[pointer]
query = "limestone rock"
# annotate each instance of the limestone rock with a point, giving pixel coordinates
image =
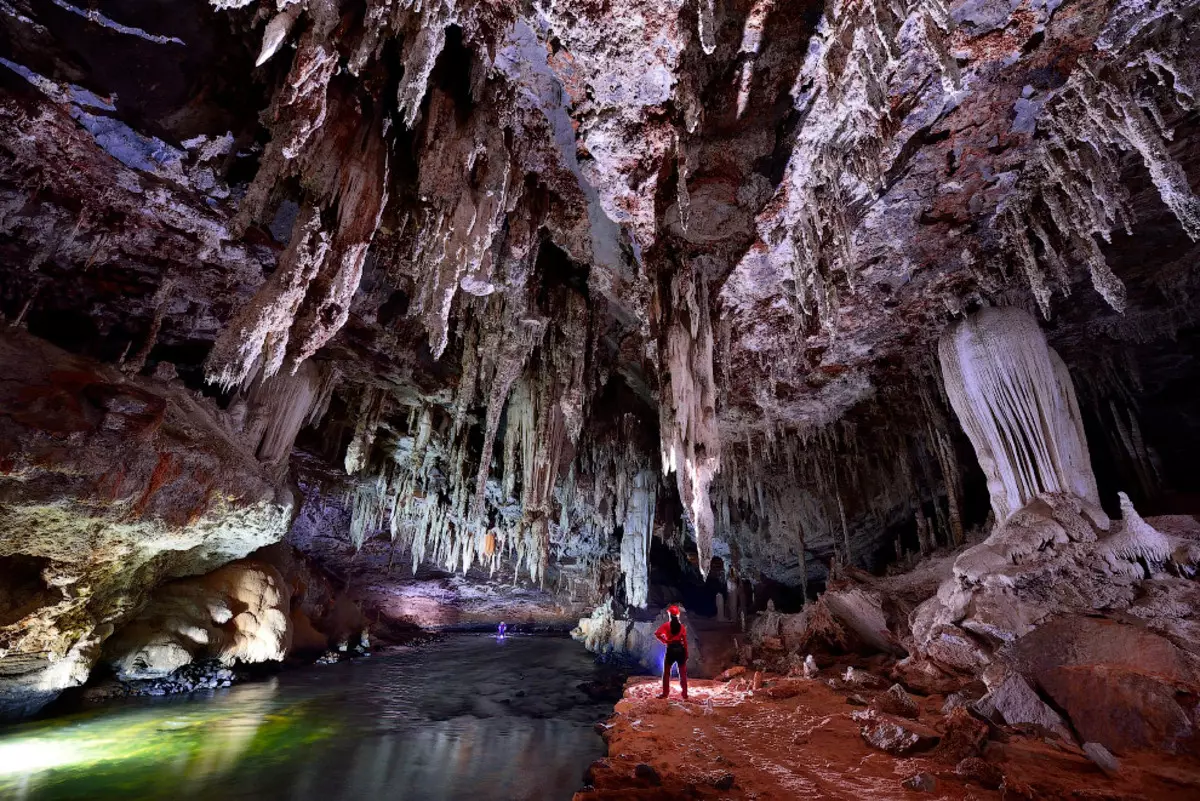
(981, 772)
(963, 736)
(1125, 709)
(239, 613)
(1102, 758)
(921, 783)
(896, 736)
(859, 611)
(1014, 701)
(896, 702)
(1118, 683)
(110, 485)
(732, 673)
(615, 638)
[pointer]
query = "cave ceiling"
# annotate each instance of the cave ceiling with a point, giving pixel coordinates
(754, 216)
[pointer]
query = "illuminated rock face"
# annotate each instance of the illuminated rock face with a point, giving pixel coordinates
(528, 292)
(110, 485)
(238, 613)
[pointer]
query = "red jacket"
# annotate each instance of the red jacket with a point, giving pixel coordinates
(665, 636)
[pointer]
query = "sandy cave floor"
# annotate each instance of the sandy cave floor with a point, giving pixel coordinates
(808, 746)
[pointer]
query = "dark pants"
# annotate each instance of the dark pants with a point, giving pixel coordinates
(676, 655)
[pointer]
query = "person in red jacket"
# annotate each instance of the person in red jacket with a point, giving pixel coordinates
(673, 634)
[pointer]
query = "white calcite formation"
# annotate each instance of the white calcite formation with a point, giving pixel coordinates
(1015, 400)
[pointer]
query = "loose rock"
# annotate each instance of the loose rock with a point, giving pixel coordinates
(1102, 758)
(920, 782)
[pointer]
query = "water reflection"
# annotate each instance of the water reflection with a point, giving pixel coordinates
(469, 718)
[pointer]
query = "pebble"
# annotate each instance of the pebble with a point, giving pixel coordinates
(921, 782)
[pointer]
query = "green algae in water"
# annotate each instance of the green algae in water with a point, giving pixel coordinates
(465, 719)
(155, 751)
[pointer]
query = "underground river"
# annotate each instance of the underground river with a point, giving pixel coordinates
(466, 717)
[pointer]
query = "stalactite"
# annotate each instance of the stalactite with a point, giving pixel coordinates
(421, 56)
(844, 91)
(465, 176)
(691, 442)
(276, 32)
(161, 298)
(511, 350)
(279, 406)
(261, 327)
(371, 407)
(707, 26)
(1014, 398)
(368, 510)
(1070, 193)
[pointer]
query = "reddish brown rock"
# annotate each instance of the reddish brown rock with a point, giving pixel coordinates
(896, 701)
(978, 771)
(1126, 709)
(963, 736)
(111, 485)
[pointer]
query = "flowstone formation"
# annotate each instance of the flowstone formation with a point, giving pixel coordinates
(519, 311)
(1014, 398)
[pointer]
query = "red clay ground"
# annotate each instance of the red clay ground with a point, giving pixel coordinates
(808, 746)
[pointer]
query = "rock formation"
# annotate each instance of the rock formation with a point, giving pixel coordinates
(862, 329)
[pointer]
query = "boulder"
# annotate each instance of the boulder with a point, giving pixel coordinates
(963, 736)
(1013, 701)
(861, 612)
(1078, 640)
(953, 649)
(732, 673)
(896, 736)
(896, 702)
(981, 772)
(1126, 709)
(1118, 683)
(1102, 759)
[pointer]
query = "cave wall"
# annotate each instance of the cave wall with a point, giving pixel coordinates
(531, 286)
(109, 485)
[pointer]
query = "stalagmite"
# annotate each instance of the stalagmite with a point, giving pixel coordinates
(1015, 400)
(635, 541)
(1136, 540)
